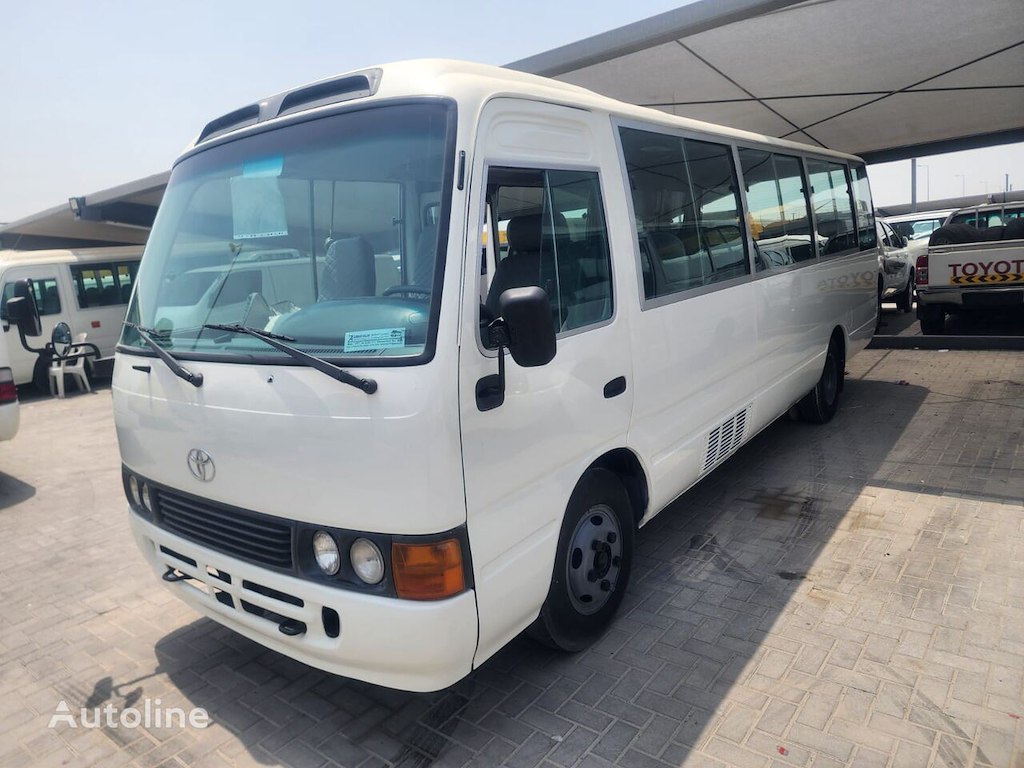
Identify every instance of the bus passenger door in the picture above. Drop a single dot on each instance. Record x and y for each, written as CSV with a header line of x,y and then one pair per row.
x,y
538,214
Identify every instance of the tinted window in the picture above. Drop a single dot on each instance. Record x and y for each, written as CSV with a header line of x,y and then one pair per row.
x,y
687,211
552,234
47,296
103,285
863,207
984,219
833,209
779,220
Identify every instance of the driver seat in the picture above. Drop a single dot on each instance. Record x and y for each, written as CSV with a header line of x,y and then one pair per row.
x,y
350,270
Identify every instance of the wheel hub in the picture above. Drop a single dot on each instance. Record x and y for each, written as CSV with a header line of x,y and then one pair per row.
x,y
594,561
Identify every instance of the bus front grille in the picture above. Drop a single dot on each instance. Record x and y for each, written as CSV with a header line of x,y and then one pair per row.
x,y
246,535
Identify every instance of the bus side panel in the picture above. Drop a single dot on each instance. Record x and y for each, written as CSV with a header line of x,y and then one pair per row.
x,y
742,355
693,362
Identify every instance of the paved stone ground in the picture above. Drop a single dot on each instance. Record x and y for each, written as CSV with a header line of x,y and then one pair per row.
x,y
843,595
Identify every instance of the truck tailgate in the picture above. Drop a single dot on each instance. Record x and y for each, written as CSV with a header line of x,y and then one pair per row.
x,y
999,263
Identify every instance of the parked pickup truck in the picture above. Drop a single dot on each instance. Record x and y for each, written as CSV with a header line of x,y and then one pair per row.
x,y
967,276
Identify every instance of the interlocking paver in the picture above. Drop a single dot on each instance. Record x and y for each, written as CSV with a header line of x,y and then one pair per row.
x,y
845,595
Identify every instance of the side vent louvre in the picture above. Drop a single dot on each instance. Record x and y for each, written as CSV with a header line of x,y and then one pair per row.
x,y
725,438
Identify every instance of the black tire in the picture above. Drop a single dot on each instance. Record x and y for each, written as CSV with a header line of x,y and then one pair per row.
x,y
820,404
933,320
589,580
878,307
41,374
905,299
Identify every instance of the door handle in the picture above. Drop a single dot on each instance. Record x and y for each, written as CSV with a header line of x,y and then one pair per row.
x,y
615,387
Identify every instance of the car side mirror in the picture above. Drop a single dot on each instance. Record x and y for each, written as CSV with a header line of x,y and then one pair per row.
x,y
531,334
22,310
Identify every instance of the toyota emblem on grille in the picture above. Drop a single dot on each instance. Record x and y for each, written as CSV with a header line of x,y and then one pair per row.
x,y
201,465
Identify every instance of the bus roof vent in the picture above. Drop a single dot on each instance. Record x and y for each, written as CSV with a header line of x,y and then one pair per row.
x,y
343,88
240,118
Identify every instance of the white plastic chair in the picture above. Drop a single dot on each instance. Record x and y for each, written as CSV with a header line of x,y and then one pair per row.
x,y
74,368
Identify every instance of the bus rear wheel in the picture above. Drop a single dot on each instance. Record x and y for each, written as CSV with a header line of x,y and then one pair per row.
x,y
820,404
592,564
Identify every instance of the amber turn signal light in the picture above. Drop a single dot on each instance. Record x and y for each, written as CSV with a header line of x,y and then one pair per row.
x,y
428,571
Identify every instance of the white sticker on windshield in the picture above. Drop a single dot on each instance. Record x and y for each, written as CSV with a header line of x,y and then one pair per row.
x,y
378,338
257,205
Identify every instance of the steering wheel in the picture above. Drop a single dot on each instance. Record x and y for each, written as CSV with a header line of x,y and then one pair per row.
x,y
406,290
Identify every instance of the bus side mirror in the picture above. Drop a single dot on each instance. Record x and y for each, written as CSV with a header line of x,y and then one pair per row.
x,y
22,309
531,334
60,339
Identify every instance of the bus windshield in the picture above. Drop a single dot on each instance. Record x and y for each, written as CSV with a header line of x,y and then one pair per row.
x,y
325,233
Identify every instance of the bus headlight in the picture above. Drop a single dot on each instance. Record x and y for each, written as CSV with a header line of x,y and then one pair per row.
x,y
325,550
147,499
367,561
133,491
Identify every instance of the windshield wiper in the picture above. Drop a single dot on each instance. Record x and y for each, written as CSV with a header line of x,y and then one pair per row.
x,y
276,340
195,379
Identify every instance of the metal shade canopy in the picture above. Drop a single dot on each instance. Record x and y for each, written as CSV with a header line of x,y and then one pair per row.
x,y
121,215
885,80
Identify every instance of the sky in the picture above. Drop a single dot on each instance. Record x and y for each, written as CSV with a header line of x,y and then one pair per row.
x,y
102,93
957,174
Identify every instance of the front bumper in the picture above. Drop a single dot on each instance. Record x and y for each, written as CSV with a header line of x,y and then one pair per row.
x,y
972,298
405,644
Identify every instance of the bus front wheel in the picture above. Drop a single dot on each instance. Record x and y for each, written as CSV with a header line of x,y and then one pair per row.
x,y
820,404
592,564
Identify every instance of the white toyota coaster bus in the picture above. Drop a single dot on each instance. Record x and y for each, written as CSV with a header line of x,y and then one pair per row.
x,y
362,433
87,288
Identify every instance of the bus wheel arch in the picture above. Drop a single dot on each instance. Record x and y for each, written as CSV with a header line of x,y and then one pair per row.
x,y
625,465
820,404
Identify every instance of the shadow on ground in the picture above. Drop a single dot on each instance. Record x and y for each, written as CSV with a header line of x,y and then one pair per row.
x,y
13,491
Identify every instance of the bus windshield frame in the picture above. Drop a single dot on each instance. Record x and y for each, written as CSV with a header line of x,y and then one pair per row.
x,y
328,231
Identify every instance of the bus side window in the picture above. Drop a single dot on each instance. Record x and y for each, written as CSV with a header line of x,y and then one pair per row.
x,y
780,221
687,211
47,296
865,208
554,227
836,232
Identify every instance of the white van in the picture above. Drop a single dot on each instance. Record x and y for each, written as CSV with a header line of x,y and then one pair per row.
x,y
87,288
9,408
394,443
